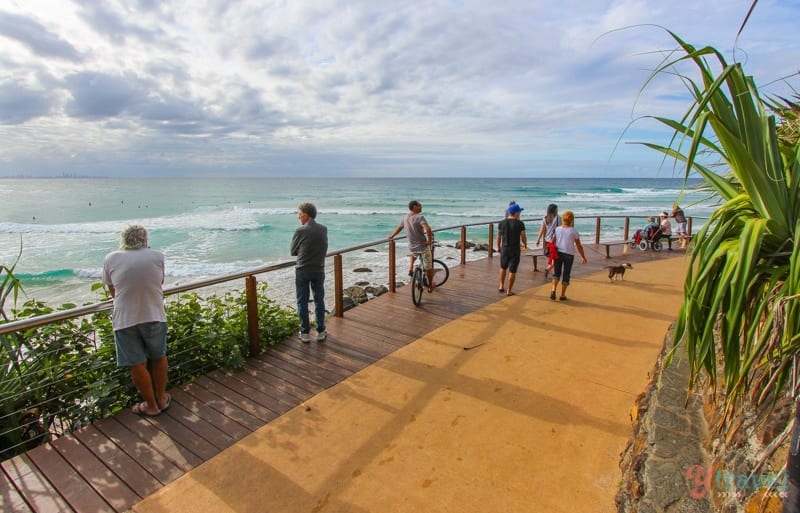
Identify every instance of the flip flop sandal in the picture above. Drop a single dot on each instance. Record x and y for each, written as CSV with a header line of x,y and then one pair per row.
x,y
139,409
169,403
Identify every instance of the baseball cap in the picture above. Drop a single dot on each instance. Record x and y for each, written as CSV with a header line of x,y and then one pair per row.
x,y
513,209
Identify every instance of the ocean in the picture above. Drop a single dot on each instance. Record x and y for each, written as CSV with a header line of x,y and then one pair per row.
x,y
213,226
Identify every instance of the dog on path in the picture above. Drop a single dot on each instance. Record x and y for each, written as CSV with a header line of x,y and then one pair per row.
x,y
618,270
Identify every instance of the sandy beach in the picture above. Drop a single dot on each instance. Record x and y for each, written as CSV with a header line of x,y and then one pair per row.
x,y
532,419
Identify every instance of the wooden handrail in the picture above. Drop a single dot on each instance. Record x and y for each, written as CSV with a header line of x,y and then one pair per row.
x,y
249,276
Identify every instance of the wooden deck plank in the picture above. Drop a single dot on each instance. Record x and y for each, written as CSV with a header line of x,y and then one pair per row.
x,y
140,481
285,373
279,384
72,487
334,363
39,493
252,389
96,474
231,428
303,368
10,498
178,433
198,427
243,402
313,376
155,463
219,404
163,442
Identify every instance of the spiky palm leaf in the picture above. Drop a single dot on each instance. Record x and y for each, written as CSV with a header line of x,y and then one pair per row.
x,y
744,261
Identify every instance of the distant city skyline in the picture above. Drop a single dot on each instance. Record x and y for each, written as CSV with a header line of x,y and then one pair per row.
x,y
355,88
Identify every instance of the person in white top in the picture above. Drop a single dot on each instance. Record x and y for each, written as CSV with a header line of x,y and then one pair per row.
x,y
666,226
134,275
567,241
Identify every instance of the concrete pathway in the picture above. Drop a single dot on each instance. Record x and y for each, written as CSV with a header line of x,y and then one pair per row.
x,y
522,406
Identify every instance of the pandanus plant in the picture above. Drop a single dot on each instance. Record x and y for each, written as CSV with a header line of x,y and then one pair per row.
x,y
741,308
741,304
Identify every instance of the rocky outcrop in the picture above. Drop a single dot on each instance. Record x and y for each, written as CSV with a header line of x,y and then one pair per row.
x,y
664,463
675,463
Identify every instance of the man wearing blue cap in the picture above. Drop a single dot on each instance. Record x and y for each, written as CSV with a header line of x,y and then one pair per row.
x,y
510,233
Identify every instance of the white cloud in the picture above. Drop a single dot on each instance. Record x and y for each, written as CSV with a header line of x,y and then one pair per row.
x,y
354,87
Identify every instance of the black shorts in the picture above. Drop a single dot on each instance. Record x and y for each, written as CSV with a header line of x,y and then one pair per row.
x,y
509,259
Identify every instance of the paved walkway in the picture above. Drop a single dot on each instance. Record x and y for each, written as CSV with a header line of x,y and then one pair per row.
x,y
522,406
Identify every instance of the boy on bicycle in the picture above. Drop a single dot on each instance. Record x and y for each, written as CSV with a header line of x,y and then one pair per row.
x,y
420,239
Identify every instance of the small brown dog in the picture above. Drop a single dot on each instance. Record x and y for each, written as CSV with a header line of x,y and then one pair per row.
x,y
618,270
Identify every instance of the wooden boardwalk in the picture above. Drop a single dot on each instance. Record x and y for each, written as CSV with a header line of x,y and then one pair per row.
x,y
114,463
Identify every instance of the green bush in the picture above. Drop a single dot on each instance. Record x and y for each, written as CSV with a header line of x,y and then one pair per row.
x,y
62,376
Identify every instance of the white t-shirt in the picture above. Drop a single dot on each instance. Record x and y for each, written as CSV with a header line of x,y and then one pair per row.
x,y
137,276
565,239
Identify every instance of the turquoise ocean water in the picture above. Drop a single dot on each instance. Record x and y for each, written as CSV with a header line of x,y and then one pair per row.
x,y
213,226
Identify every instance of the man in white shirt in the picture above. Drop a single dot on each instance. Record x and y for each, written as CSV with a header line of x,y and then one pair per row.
x,y
134,275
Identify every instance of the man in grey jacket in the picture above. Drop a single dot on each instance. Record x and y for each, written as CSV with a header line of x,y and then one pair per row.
x,y
310,245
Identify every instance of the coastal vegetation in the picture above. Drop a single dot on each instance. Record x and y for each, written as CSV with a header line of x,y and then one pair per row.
x,y
62,376
741,305
739,324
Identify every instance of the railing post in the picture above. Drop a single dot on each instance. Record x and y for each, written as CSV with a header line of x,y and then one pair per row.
x,y
689,226
597,230
338,286
463,245
251,293
627,227
491,240
392,267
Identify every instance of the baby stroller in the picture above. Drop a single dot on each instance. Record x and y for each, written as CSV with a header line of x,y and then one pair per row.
x,y
647,238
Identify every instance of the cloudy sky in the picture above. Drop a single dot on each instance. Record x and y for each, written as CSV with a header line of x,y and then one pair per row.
x,y
361,88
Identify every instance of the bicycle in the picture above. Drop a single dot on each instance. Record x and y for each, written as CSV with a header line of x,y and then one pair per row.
x,y
419,278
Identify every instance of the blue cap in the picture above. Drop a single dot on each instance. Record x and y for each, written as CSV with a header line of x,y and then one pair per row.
x,y
513,209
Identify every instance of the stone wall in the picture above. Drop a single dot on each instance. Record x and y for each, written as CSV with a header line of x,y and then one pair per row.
x,y
677,461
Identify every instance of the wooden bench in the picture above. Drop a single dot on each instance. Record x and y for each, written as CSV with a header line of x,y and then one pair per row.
x,y
610,243
536,257
670,240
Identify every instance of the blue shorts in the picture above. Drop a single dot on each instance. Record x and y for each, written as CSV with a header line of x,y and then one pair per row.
x,y
137,344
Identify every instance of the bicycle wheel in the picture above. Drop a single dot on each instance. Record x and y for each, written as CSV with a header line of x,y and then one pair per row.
x,y
440,273
417,286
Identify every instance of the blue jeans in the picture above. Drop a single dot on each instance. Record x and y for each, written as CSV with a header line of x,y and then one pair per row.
x,y
305,283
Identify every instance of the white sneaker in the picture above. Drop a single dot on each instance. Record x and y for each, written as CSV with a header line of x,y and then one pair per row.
x,y
305,338
322,335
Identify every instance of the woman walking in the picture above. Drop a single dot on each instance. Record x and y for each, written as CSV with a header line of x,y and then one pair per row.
x,y
550,222
567,240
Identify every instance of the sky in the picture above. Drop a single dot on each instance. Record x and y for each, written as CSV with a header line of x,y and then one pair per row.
x,y
390,88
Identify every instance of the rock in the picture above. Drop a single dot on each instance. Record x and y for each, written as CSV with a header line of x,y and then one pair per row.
x,y
371,250
481,247
362,270
347,303
467,245
362,284
356,293
376,291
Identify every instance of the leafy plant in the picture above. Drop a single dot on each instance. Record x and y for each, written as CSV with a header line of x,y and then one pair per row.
x,y
740,305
